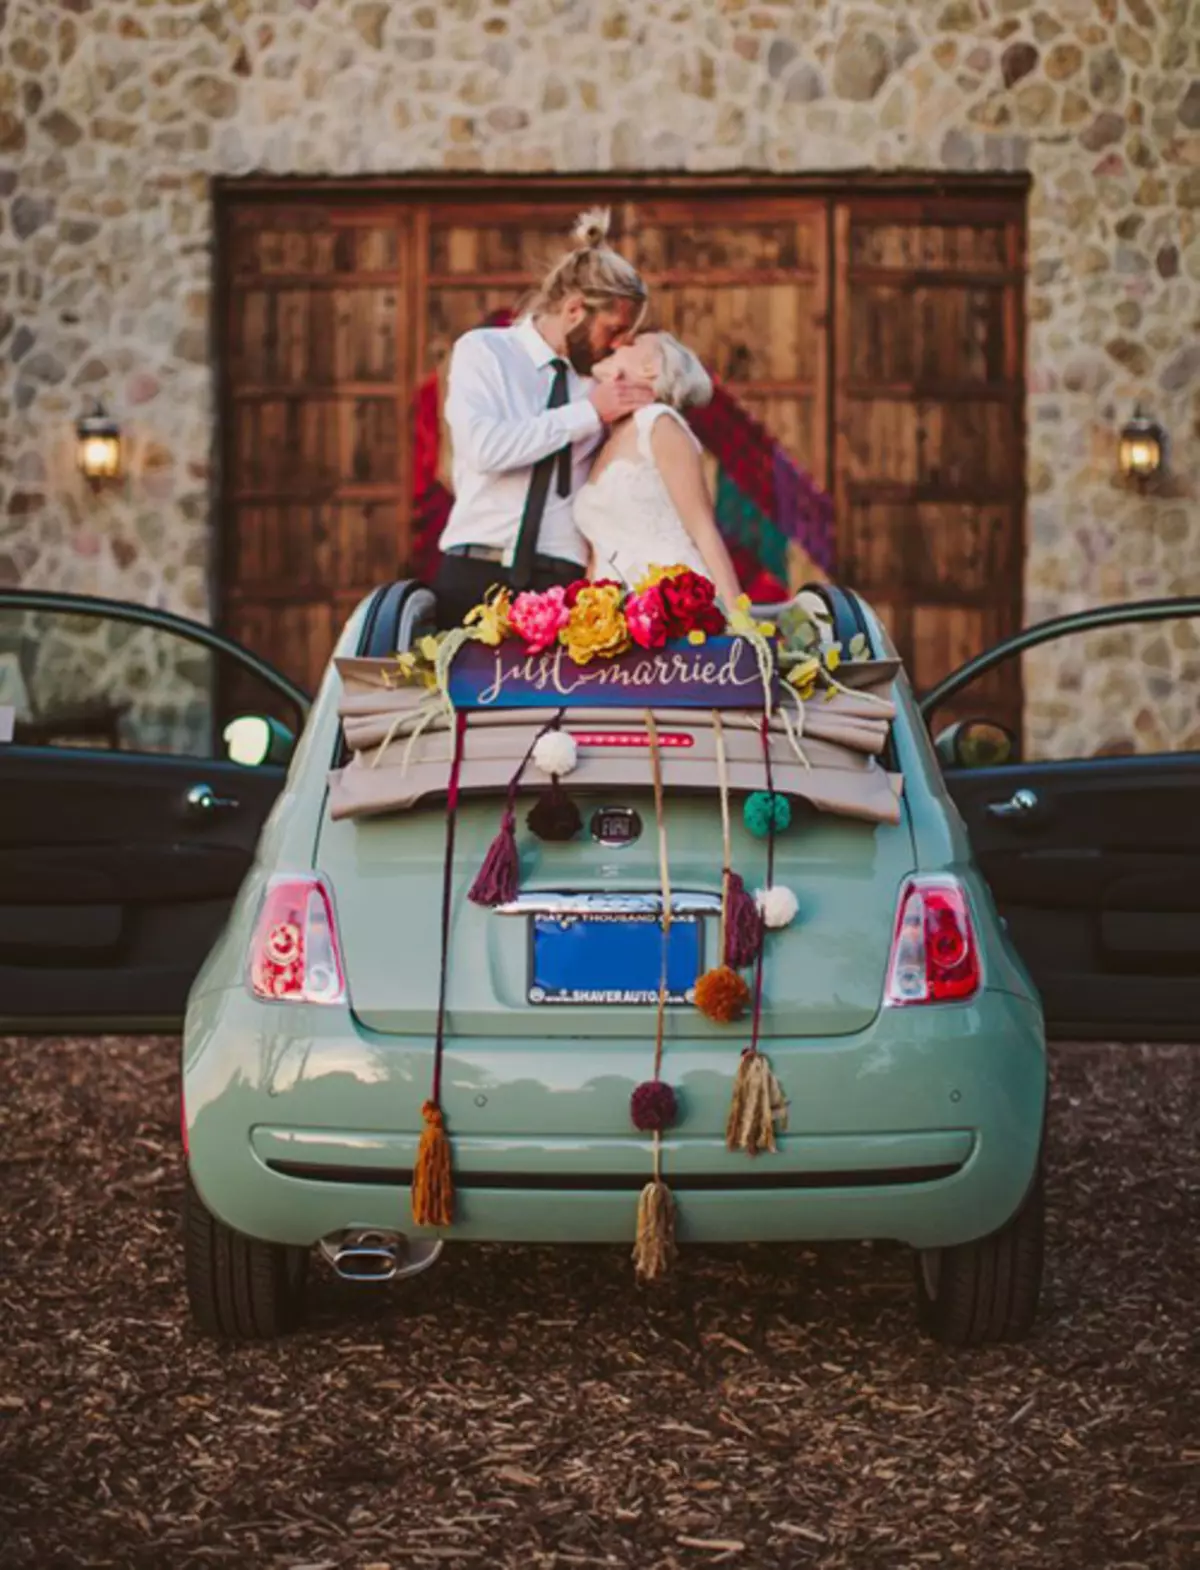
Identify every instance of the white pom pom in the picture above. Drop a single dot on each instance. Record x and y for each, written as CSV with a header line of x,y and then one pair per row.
x,y
777,905
555,752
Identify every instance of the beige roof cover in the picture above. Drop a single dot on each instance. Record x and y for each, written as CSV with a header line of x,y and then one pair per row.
x,y
842,738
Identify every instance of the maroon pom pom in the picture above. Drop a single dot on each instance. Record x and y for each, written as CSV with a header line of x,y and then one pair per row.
x,y
497,880
554,816
653,1106
743,925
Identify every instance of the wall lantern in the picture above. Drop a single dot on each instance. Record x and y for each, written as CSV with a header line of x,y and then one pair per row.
x,y
1143,448
99,440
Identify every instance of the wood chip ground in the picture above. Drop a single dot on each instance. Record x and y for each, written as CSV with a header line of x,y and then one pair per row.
x,y
521,1409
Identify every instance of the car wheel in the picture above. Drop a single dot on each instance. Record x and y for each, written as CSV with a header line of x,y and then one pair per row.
x,y
985,1291
239,1288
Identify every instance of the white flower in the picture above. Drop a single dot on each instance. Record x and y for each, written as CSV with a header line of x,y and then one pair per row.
x,y
777,905
555,752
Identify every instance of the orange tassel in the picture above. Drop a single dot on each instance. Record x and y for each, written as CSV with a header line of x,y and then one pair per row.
x,y
722,994
432,1182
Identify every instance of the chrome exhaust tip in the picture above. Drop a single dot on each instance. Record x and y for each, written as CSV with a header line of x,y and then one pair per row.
x,y
367,1254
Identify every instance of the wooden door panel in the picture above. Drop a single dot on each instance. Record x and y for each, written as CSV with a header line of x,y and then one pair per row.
x,y
317,376
929,424
365,342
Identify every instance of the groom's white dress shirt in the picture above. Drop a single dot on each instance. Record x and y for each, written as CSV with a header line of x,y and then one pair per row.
x,y
500,379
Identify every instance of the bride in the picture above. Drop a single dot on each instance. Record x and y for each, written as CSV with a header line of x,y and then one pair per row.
x,y
646,503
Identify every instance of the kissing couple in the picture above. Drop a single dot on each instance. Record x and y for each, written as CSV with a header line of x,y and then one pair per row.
x,y
571,456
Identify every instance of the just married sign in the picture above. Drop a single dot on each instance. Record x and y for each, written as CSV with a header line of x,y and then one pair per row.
x,y
722,673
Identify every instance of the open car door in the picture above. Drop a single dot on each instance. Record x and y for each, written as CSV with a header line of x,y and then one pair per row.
x,y
126,825
1090,838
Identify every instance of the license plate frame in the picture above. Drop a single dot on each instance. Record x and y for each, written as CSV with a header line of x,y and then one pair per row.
x,y
558,945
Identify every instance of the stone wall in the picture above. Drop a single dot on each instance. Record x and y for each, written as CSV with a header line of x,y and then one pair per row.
x,y
115,114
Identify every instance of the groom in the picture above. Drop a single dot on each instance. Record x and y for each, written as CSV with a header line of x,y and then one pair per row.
x,y
525,426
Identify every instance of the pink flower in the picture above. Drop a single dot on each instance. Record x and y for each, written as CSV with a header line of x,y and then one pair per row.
x,y
646,619
538,618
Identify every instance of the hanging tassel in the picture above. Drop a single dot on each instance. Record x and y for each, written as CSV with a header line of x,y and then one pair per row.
x,y
654,1245
743,924
497,881
432,1182
758,1103
554,816
432,1191
756,1106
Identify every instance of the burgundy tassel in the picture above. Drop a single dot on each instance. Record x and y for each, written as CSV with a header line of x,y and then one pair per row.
x,y
497,880
554,816
743,925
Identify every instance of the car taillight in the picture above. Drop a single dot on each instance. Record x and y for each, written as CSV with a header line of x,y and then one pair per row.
x,y
294,955
935,958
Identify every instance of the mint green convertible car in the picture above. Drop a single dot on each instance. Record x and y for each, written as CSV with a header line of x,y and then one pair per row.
x,y
900,1018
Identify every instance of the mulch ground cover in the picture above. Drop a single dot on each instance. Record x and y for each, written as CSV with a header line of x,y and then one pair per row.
x,y
532,1408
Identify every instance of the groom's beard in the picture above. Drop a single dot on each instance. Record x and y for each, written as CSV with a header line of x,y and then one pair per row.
x,y
579,349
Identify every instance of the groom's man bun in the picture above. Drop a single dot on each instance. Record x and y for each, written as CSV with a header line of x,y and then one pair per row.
x,y
591,228
591,269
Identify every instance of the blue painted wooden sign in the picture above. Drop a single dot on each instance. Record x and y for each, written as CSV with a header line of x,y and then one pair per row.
x,y
720,674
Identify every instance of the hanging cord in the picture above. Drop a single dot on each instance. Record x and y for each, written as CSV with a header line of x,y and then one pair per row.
x,y
664,878
726,836
654,1240
765,733
460,726
432,1183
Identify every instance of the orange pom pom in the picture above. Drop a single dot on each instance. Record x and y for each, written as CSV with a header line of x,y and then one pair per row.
x,y
722,995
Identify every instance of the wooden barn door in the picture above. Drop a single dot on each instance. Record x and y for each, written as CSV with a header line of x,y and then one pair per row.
x,y
879,338
929,452
317,377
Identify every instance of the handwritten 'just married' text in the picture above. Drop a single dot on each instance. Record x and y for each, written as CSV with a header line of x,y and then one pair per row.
x,y
724,673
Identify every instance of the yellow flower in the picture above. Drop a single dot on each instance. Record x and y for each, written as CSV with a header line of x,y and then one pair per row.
x,y
697,636
596,626
656,575
741,621
428,647
491,618
833,657
804,676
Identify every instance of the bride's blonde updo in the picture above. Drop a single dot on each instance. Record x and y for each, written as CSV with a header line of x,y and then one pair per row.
x,y
682,382
592,269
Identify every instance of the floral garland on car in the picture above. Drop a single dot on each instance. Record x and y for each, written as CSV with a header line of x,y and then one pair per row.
x,y
601,620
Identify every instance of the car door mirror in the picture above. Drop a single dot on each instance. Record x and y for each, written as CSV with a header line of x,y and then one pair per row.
x,y
254,740
975,744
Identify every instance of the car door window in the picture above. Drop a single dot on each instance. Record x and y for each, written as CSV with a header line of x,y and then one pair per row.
x,y
1108,692
90,679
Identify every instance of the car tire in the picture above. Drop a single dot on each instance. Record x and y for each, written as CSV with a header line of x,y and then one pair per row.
x,y
977,1293
239,1288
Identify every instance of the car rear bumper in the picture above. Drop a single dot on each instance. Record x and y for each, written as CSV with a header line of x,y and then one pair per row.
x,y
925,1128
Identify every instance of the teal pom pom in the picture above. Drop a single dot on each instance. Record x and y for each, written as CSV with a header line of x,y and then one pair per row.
x,y
761,806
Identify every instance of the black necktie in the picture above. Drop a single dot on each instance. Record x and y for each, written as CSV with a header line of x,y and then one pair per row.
x,y
521,574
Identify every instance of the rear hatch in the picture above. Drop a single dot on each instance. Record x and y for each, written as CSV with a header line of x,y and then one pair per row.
x,y
824,975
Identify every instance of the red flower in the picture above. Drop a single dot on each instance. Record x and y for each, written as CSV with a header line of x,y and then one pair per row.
x,y
587,583
690,603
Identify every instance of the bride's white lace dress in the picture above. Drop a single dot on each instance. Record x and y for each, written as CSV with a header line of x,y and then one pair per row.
x,y
627,515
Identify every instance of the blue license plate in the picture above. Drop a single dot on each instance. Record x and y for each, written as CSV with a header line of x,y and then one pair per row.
x,y
612,959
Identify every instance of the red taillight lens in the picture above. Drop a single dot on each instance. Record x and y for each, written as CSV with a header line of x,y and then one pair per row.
x,y
294,956
935,958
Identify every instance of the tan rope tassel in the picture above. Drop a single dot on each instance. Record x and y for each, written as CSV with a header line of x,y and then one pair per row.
x,y
654,1239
